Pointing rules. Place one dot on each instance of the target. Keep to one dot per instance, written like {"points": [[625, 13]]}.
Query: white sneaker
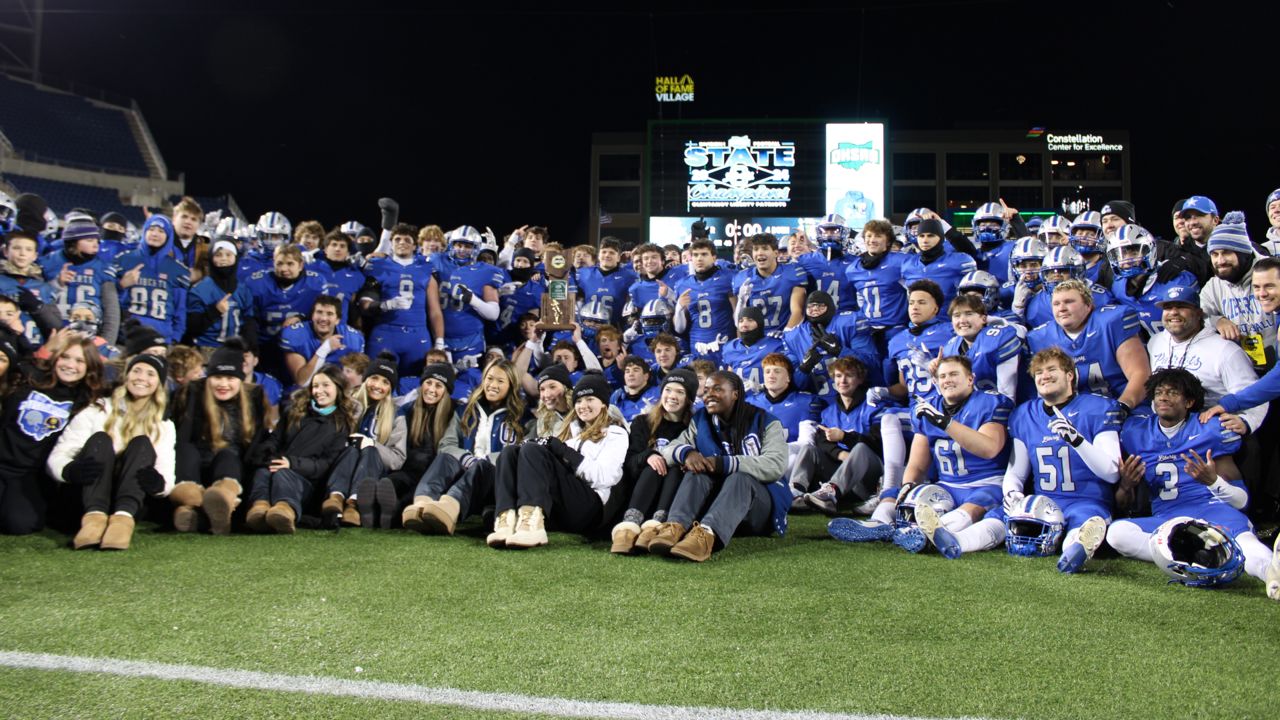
{"points": [[1273, 572], [530, 530]]}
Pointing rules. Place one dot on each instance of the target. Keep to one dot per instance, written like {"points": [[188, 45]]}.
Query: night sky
{"points": [[316, 109]]}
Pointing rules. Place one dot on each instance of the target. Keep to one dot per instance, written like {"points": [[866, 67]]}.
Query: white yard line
{"points": [[497, 702]]}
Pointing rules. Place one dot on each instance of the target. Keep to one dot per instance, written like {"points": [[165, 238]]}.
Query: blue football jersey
{"points": [[997, 343], [396, 280], [996, 261], [946, 271], [1040, 307], [204, 297], [301, 338], [1094, 350], [1057, 469], [1173, 491], [343, 281], [460, 319], [854, 334], [862, 418], [772, 294], [86, 287], [253, 262], [745, 360], [955, 465], [910, 352], [607, 292], [710, 315], [12, 285], [1144, 304], [792, 408], [644, 290], [882, 297], [271, 304], [631, 406], [830, 276], [159, 299], [516, 301]]}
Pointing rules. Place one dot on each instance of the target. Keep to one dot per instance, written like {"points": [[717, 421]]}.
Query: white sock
{"points": [[884, 513], [1129, 540], [1256, 555], [893, 448], [956, 520], [982, 535], [129, 515]]}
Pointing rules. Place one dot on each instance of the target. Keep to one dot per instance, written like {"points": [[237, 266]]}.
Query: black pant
{"points": [[472, 486], [653, 493], [739, 501], [204, 466], [25, 495], [529, 474], [353, 465], [117, 489]]}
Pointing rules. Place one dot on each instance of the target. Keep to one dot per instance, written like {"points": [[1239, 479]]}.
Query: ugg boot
{"points": [[504, 526], [648, 531], [531, 529], [92, 526], [256, 519], [119, 533], [668, 534], [412, 516], [624, 538], [331, 506], [220, 500], [351, 514], [441, 516], [281, 518], [186, 496]]}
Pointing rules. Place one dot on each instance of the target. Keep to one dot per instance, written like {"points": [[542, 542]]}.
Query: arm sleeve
{"points": [[1007, 378], [1102, 455], [110, 313], [589, 359], [1015, 474], [487, 310], [1230, 493], [894, 449], [961, 243]]}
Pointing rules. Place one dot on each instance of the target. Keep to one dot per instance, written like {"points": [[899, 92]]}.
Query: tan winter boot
{"points": [[531, 529], [648, 531], [119, 533], [412, 516], [256, 519], [220, 500], [504, 526], [186, 496], [441, 516], [668, 534], [697, 545], [624, 538], [351, 514], [281, 518], [332, 505], [92, 526]]}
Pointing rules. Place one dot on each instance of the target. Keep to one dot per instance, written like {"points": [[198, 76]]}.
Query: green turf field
{"points": [[801, 623]]}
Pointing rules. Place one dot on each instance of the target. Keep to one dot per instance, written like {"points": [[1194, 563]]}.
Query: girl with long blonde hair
{"points": [[120, 450]]}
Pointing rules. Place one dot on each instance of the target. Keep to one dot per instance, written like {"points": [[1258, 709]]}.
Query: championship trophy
{"points": [[558, 303]]}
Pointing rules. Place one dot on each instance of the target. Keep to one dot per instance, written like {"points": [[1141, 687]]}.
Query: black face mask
{"points": [[932, 253], [824, 318], [221, 275], [112, 234], [521, 275], [751, 337], [368, 247], [871, 260]]}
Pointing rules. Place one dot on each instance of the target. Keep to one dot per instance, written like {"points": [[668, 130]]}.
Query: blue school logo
{"points": [[40, 416]]}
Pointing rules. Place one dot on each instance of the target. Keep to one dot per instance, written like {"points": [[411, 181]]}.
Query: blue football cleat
{"points": [[850, 530], [931, 525], [910, 539], [1073, 557]]}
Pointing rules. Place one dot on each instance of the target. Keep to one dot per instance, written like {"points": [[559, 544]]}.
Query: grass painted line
{"points": [[313, 685]]}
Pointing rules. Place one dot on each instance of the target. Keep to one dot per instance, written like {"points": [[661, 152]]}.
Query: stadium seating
{"points": [[63, 196], [53, 126]]}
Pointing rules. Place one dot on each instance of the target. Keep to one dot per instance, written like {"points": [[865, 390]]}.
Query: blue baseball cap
{"points": [[1179, 294], [1200, 204]]}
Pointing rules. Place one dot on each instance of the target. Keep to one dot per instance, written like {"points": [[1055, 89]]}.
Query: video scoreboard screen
{"points": [[762, 176]]}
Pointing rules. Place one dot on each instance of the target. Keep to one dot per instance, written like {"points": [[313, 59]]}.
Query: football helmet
{"points": [[274, 229], [1084, 241], [1035, 527], [935, 496], [593, 314], [1062, 259], [229, 225], [351, 228], [983, 282], [984, 232], [1195, 553], [654, 318], [52, 223], [1025, 250], [913, 219], [1131, 251], [831, 235], [463, 243], [8, 212]]}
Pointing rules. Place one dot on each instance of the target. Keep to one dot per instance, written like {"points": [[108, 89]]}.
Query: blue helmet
{"points": [[929, 494], [983, 282], [463, 236], [909, 225], [1025, 250], [1063, 258], [352, 229], [1196, 553], [1086, 244], [594, 314], [1056, 225], [1035, 527], [274, 230], [988, 213], [1131, 251], [655, 317], [8, 212], [832, 235]]}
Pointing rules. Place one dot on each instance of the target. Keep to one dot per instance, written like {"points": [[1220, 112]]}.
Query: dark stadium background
{"points": [[483, 115]]}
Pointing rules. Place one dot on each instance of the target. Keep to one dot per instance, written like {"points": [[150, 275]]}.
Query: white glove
{"points": [[1021, 296], [322, 352], [508, 289], [877, 395], [468, 362], [440, 344], [1011, 500], [1068, 433], [630, 335], [399, 302], [751, 386]]}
